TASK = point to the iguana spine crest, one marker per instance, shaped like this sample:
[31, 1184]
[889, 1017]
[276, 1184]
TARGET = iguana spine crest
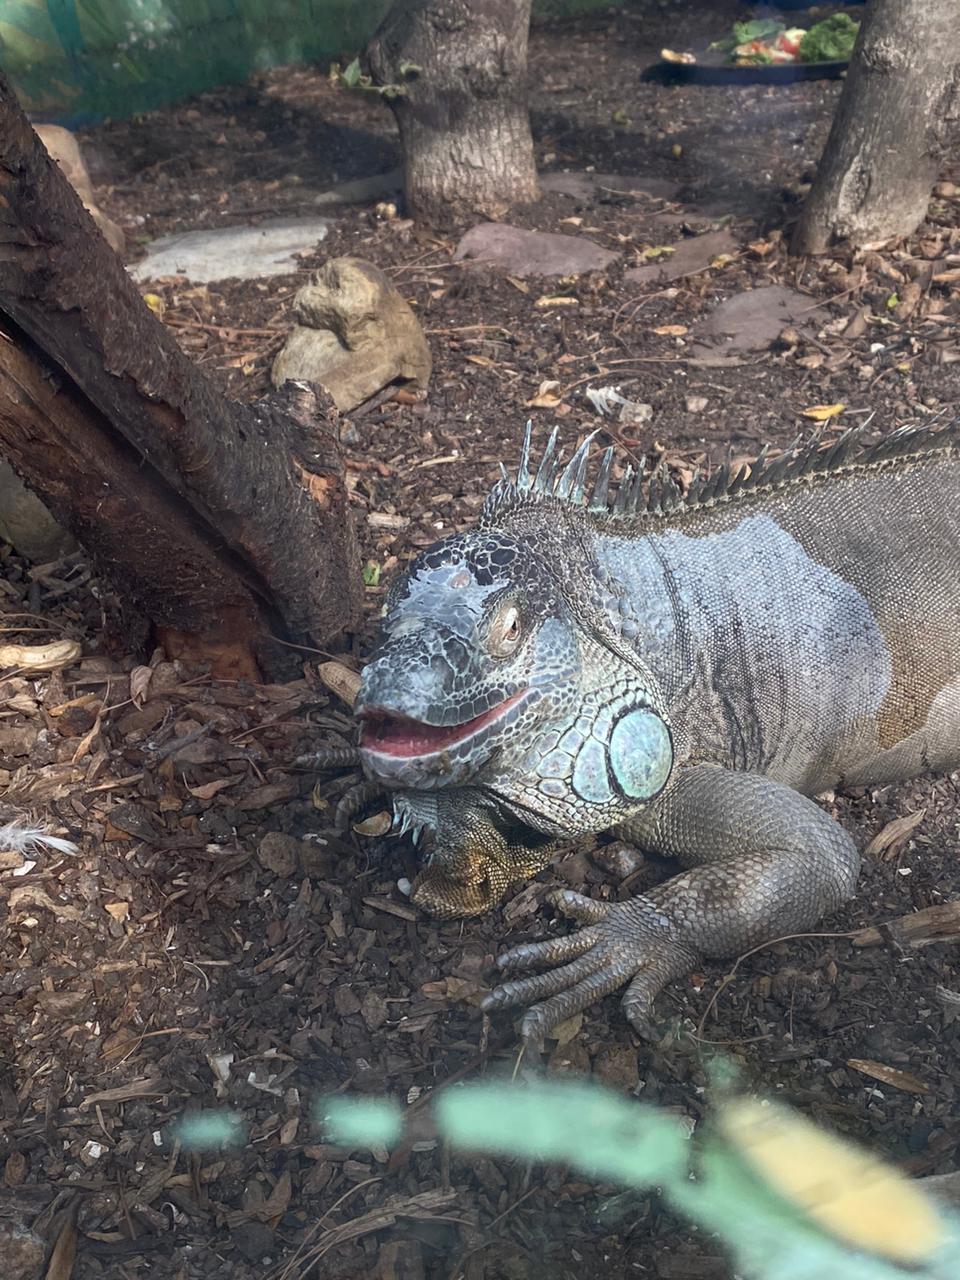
[639, 496]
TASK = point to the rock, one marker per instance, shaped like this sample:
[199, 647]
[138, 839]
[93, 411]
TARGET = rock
[233, 253]
[279, 853]
[696, 404]
[62, 147]
[580, 185]
[531, 253]
[354, 335]
[751, 321]
[616, 1065]
[26, 523]
[253, 1240]
[689, 256]
[22, 1252]
[362, 190]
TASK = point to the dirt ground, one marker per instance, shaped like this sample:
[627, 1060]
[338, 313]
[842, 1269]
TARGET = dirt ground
[215, 944]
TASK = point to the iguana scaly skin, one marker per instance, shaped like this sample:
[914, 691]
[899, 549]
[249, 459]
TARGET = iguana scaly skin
[685, 671]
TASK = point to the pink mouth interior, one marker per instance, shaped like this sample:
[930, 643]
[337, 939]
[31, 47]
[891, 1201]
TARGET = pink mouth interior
[396, 735]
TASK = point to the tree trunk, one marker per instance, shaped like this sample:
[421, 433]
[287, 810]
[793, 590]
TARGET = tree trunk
[461, 67]
[216, 518]
[895, 120]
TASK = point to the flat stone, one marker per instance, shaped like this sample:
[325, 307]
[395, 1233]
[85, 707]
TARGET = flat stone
[581, 185]
[362, 190]
[233, 253]
[750, 321]
[531, 253]
[689, 256]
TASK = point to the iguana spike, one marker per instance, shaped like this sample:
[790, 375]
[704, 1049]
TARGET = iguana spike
[620, 501]
[757, 469]
[504, 474]
[671, 497]
[547, 471]
[524, 480]
[601, 485]
[575, 472]
[739, 481]
[634, 501]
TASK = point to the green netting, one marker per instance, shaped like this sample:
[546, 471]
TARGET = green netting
[80, 60]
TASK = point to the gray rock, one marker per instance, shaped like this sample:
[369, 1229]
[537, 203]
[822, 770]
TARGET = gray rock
[233, 253]
[751, 321]
[27, 524]
[354, 335]
[361, 190]
[689, 256]
[531, 253]
[580, 185]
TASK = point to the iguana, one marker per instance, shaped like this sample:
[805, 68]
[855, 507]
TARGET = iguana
[685, 670]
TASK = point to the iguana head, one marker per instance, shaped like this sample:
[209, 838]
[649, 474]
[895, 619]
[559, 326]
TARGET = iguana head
[495, 673]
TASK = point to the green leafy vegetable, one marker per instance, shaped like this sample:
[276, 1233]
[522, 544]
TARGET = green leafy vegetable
[744, 32]
[831, 40]
[757, 29]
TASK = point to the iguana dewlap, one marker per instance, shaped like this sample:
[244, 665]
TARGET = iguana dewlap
[686, 671]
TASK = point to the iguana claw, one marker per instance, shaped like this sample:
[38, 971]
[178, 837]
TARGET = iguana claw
[622, 942]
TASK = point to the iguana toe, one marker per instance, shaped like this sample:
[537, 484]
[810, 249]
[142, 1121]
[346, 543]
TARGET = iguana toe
[576, 906]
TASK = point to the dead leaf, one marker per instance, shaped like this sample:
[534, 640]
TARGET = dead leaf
[209, 789]
[40, 657]
[378, 824]
[139, 682]
[891, 1076]
[269, 794]
[560, 300]
[87, 741]
[31, 895]
[119, 910]
[340, 680]
[567, 1030]
[144, 1087]
[823, 412]
[548, 397]
[887, 843]
[813, 361]
[16, 1169]
[278, 1201]
[483, 361]
[671, 330]
[518, 283]
[119, 1043]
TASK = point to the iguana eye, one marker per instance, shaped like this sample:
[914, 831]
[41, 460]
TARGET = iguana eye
[505, 632]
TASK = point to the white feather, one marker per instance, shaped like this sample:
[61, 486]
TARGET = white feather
[23, 838]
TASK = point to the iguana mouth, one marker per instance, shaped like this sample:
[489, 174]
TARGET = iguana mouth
[391, 734]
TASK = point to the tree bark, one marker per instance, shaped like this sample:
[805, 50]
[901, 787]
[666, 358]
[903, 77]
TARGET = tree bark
[896, 117]
[217, 518]
[461, 66]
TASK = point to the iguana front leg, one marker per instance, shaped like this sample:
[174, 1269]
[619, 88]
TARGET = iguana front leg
[762, 861]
